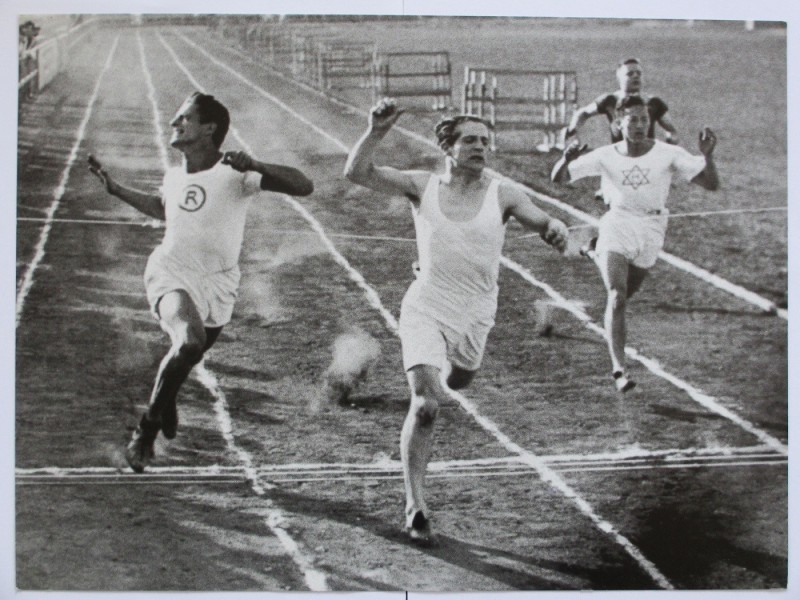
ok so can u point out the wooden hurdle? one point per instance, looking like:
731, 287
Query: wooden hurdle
548, 105
343, 64
413, 74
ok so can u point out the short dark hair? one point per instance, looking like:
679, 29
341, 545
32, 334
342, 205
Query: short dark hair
211, 110
629, 61
631, 101
445, 129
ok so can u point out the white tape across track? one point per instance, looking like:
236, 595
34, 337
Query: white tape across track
545, 472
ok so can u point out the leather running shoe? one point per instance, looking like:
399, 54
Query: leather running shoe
622, 382
140, 449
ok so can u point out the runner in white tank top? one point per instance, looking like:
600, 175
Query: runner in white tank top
449, 310
636, 175
192, 276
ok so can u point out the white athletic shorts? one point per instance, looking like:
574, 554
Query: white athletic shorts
427, 341
637, 238
213, 294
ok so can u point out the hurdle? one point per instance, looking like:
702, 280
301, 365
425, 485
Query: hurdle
521, 101
413, 74
342, 64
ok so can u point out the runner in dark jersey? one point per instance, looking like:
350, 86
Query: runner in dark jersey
629, 75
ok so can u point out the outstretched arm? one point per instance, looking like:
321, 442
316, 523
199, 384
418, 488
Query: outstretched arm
666, 124
359, 167
517, 204
708, 177
274, 178
149, 204
580, 116
560, 173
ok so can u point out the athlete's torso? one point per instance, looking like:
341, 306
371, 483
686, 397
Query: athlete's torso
205, 216
639, 184
459, 261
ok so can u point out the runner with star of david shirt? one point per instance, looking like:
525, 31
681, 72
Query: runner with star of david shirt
636, 175
192, 277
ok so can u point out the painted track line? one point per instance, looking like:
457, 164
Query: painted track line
684, 265
695, 394
709, 402
275, 519
391, 469
26, 282
547, 474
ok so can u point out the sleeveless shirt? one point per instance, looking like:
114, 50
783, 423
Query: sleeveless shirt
459, 262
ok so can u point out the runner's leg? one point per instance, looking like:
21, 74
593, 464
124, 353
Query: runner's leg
417, 434
182, 322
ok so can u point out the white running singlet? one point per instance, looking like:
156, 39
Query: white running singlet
205, 216
459, 261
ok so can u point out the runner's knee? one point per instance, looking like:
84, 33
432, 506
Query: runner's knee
459, 378
617, 297
190, 348
425, 408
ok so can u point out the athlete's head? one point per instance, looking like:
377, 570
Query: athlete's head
464, 139
201, 115
634, 118
629, 76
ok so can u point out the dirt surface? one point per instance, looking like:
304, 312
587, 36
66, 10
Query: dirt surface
214, 511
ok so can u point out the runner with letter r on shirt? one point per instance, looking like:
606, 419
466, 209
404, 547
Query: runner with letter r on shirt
192, 277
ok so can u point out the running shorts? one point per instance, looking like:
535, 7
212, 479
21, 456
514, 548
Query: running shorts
427, 341
213, 294
638, 238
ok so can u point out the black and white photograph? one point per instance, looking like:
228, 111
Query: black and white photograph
400, 300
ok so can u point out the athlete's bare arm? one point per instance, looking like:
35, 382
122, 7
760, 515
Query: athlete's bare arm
666, 124
361, 170
708, 177
149, 204
274, 178
580, 116
560, 173
515, 203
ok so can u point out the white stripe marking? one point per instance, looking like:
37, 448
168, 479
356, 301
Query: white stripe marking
695, 394
27, 278
628, 455
315, 579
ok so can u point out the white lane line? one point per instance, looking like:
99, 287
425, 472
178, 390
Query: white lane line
549, 475
154, 223
695, 394
158, 132
384, 475
26, 283
715, 280
623, 456
275, 519
340, 472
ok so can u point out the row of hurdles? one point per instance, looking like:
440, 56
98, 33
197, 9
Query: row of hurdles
520, 104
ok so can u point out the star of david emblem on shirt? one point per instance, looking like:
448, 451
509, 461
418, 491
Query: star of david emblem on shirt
636, 177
